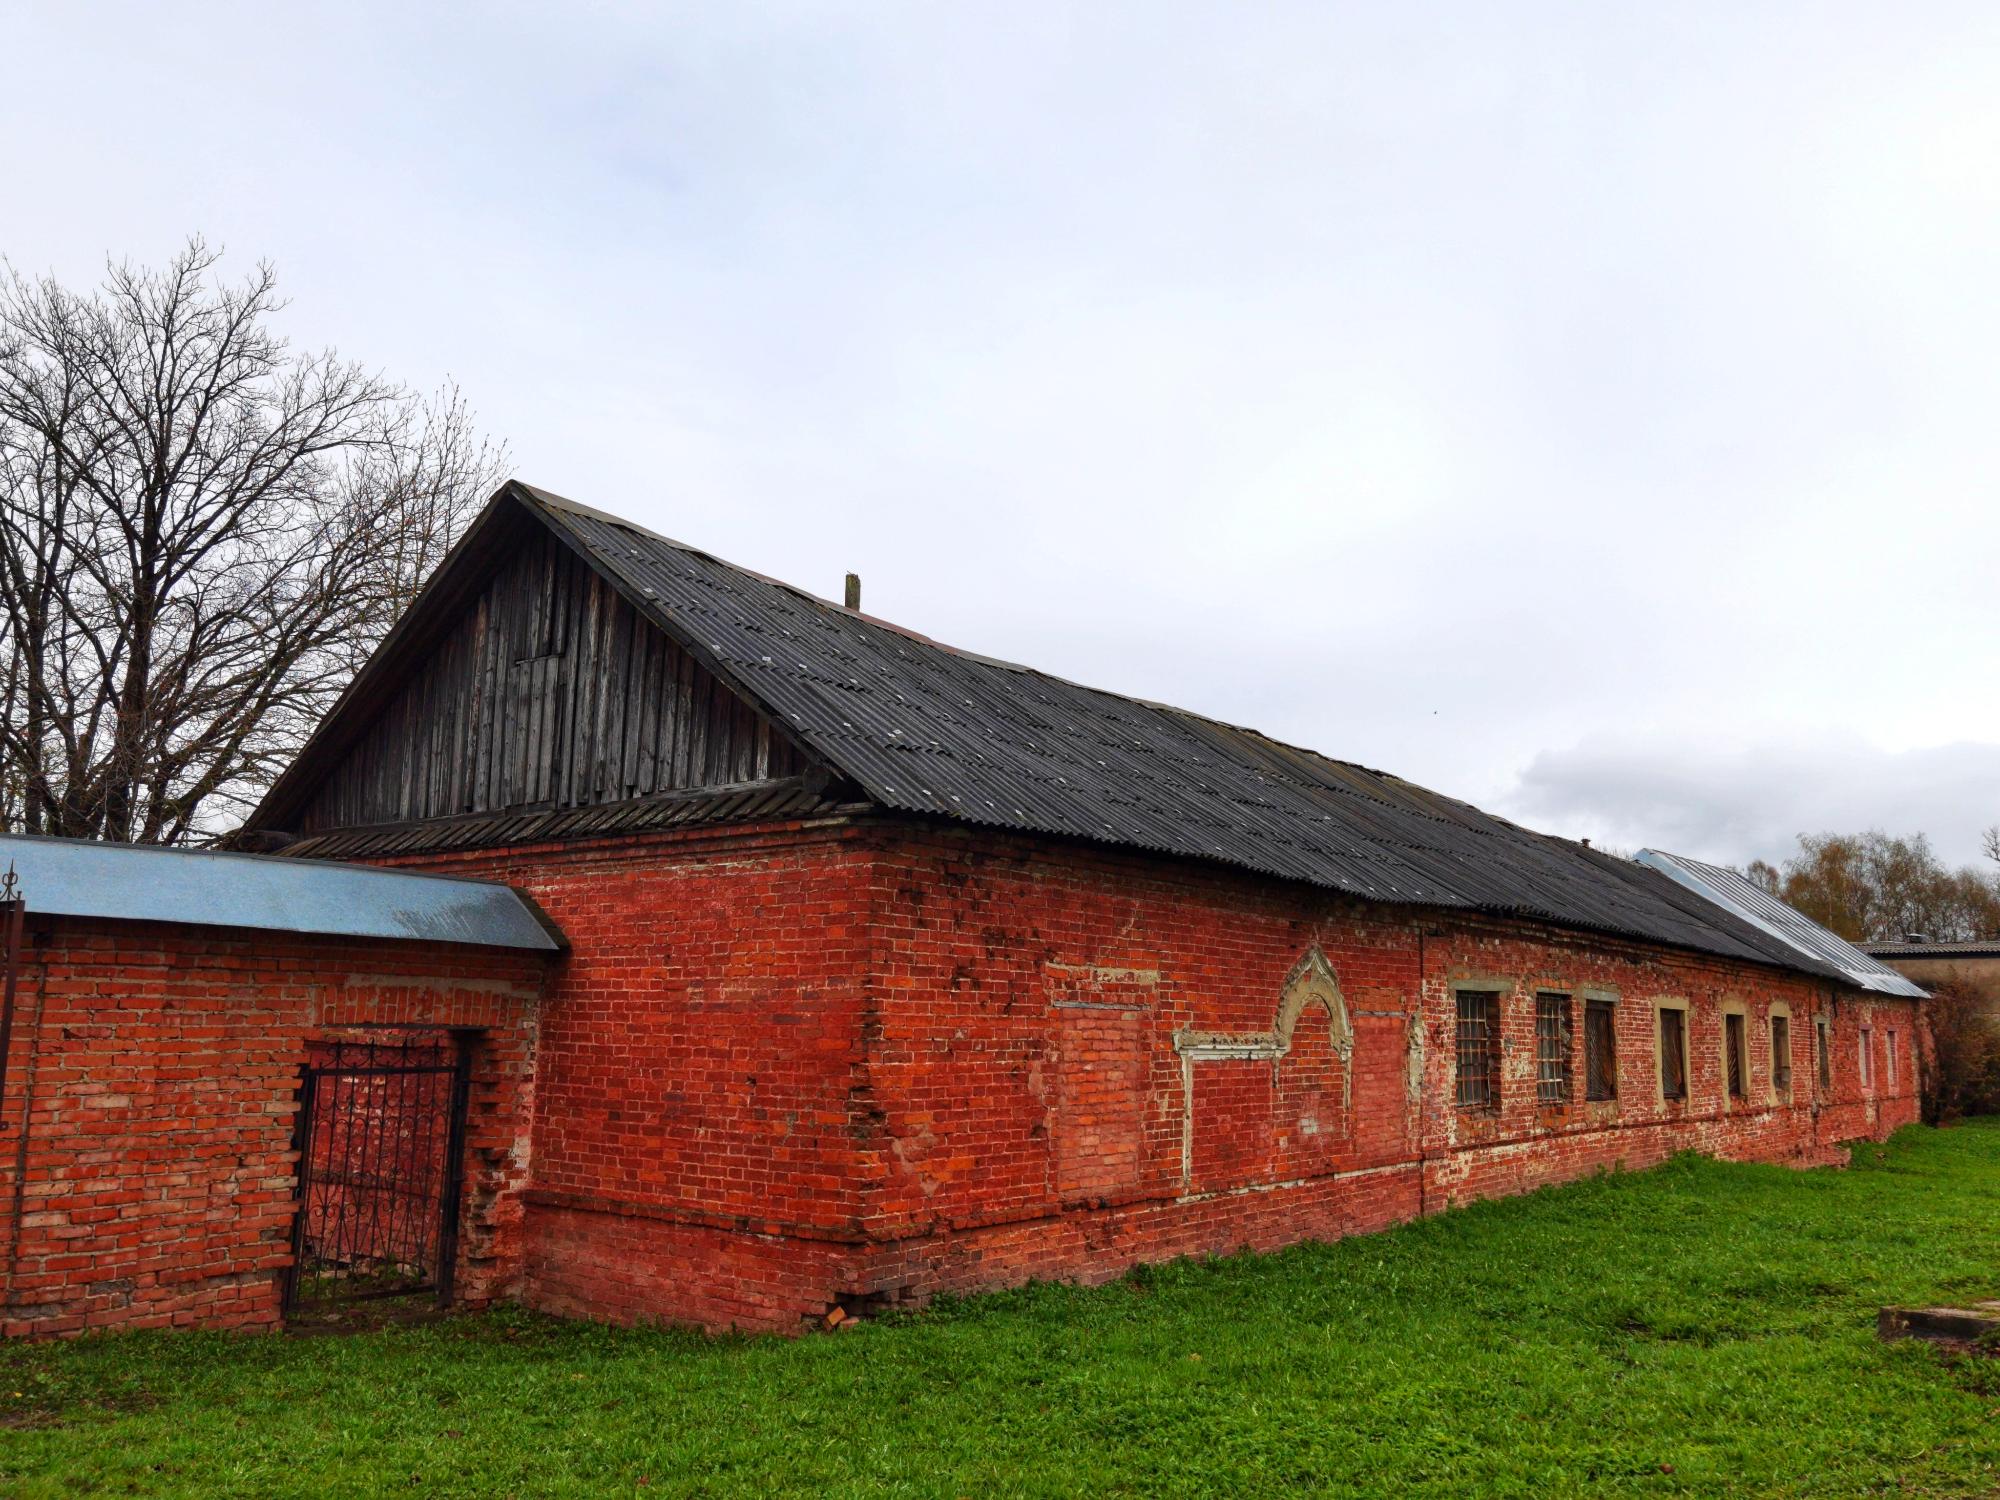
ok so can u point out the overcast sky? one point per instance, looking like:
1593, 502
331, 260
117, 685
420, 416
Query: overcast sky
1589, 410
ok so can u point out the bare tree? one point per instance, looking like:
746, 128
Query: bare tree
204, 534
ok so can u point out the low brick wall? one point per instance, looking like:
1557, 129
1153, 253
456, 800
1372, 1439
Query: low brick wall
146, 1164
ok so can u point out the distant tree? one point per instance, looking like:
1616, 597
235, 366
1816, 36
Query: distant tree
204, 533
1871, 887
1765, 877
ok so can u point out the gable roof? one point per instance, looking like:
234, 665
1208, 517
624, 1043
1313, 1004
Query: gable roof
1737, 893
926, 729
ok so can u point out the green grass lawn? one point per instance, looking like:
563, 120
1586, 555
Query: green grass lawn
1701, 1328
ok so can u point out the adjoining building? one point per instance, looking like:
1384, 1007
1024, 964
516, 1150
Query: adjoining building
1971, 962
892, 969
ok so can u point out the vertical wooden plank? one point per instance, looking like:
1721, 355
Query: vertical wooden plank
589, 678
611, 700
745, 766
634, 695
673, 769
701, 705
645, 768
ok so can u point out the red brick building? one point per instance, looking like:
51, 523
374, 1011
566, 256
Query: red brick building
891, 969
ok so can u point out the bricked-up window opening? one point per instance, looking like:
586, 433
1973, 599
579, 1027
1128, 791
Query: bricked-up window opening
1553, 1045
1891, 1040
1867, 1057
1733, 1032
1781, 1054
1673, 1054
1478, 1049
1600, 1050
1825, 1053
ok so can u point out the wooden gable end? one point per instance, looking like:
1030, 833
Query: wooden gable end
547, 690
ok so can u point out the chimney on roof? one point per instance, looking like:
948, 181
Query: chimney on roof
854, 591
1915, 937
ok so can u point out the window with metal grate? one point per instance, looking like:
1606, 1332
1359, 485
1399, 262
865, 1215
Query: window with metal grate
1600, 1049
1554, 1040
1781, 1054
1478, 1049
1673, 1053
1735, 1064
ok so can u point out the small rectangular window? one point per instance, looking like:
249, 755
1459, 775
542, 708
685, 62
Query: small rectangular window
1733, 1059
1600, 1050
1554, 1040
1478, 1049
1891, 1041
1867, 1057
1781, 1054
1825, 1054
1673, 1053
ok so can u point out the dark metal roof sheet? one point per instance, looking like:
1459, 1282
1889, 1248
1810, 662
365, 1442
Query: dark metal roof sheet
1737, 893
76, 878
923, 728
761, 801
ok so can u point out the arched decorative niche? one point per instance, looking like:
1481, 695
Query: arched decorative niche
1314, 1053
1312, 982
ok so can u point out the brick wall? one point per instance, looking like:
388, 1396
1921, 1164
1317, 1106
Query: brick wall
703, 1123
146, 1161
866, 1062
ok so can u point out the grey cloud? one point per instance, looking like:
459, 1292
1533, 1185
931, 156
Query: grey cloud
1752, 802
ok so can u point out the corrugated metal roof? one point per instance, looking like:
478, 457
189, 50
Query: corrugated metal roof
133, 882
790, 798
923, 728
1740, 895
1965, 948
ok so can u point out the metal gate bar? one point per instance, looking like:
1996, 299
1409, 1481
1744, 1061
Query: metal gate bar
381, 1140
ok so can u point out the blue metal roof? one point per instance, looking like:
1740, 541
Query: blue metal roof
141, 883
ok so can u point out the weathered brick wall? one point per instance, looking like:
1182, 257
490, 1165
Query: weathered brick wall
797, 1065
1015, 979
146, 1161
704, 1131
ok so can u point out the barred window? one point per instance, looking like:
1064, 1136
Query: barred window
1891, 1039
1825, 1054
1735, 1065
1673, 1053
1553, 1042
1600, 1050
1478, 1049
1781, 1054
1867, 1057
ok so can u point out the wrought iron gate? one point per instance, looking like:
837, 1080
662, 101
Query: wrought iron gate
381, 1143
